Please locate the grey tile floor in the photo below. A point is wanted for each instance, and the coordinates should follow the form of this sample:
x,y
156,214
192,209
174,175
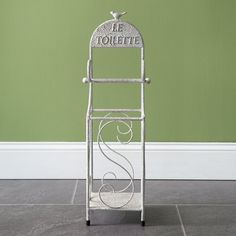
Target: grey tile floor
x,y
173,208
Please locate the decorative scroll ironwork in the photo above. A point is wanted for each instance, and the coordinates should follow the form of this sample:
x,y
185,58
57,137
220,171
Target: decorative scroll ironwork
x,y
107,187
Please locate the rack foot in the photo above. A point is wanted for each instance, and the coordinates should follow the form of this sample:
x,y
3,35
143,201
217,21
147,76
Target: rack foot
x,y
142,222
88,222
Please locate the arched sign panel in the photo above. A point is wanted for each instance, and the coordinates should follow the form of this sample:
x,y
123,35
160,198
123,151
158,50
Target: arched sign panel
x,y
116,33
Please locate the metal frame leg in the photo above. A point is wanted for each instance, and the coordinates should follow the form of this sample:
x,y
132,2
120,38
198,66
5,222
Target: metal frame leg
x,y
91,157
88,171
143,172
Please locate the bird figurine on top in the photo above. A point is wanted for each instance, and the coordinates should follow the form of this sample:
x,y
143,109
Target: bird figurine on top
x,y
117,15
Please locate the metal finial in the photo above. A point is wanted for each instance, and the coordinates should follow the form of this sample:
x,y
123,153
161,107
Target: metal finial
x,y
117,15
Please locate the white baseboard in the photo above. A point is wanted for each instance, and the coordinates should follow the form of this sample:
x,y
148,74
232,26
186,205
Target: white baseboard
x,y
67,160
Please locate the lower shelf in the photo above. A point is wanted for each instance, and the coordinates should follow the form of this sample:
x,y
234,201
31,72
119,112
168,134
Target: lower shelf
x,y
117,199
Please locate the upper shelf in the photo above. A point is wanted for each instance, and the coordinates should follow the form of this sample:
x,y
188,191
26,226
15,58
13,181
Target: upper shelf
x,y
116,114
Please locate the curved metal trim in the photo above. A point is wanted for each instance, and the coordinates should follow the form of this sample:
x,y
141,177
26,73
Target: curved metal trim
x,y
107,186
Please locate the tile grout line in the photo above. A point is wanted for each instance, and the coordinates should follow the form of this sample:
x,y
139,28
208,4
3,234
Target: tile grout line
x,y
42,204
181,221
74,192
190,204
81,204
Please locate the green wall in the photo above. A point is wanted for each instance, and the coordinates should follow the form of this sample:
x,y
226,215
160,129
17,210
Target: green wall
x,y
190,57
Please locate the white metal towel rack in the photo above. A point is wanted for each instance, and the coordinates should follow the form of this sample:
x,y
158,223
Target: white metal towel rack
x,y
114,33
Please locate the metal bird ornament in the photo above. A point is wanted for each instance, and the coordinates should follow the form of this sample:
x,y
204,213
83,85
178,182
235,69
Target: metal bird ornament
x,y
117,15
